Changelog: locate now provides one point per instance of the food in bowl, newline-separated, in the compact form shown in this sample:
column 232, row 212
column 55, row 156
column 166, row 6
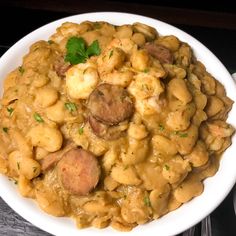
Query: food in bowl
column 112, row 125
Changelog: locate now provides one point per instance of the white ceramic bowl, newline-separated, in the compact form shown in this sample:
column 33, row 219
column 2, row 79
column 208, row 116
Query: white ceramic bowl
column 216, row 188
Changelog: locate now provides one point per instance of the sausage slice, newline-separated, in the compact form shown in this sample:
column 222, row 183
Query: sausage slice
column 110, row 104
column 52, row 159
column 60, row 66
column 105, row 131
column 78, row 171
column 160, row 52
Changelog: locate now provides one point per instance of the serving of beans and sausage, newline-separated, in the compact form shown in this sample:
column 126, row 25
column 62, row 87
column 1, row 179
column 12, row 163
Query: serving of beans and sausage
column 112, row 125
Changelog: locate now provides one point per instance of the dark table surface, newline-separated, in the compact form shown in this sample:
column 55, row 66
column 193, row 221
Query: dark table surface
column 219, row 38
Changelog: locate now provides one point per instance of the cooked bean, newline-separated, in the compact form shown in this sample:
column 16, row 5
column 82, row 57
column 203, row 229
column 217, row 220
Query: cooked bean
column 149, row 32
column 46, row 97
column 46, row 137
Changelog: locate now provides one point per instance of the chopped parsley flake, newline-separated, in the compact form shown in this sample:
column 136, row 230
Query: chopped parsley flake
column 5, row 129
column 81, row 130
column 161, row 127
column 146, row 70
column 50, row 42
column 111, row 53
column 38, row 118
column 10, row 110
column 18, row 165
column 146, row 201
column 21, row 70
column 182, row 135
column 70, row 106
column 166, row 167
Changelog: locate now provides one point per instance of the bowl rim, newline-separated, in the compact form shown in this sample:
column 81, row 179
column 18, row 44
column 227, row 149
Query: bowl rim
column 27, row 209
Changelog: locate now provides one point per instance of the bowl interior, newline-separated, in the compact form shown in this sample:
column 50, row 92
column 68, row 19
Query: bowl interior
column 216, row 188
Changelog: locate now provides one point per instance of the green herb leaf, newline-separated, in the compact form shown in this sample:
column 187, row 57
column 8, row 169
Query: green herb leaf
column 50, row 42
column 21, row 70
column 81, row 130
column 70, row 106
column 10, row 110
column 5, row 129
column 166, row 167
column 146, row 70
column 93, row 49
column 75, row 59
column 146, row 201
column 76, row 45
column 16, row 182
column 161, row 127
column 182, row 135
column 38, row 118
column 111, row 53
column 77, row 52
column 18, row 165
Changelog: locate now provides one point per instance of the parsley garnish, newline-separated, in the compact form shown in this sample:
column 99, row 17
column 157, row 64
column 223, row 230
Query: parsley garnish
column 50, row 42
column 5, row 129
column 161, row 127
column 181, row 135
column 166, row 167
column 38, row 118
column 21, row 70
column 77, row 51
column 10, row 110
column 18, row 165
column 81, row 130
column 70, row 106
column 111, row 53
column 146, row 201
column 146, row 70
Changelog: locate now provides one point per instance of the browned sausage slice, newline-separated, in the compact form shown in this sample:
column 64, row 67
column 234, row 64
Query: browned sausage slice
column 60, row 66
column 51, row 160
column 78, row 171
column 105, row 131
column 110, row 104
column 160, row 52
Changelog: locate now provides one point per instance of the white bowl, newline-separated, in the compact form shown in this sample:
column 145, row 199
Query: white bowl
column 216, row 188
